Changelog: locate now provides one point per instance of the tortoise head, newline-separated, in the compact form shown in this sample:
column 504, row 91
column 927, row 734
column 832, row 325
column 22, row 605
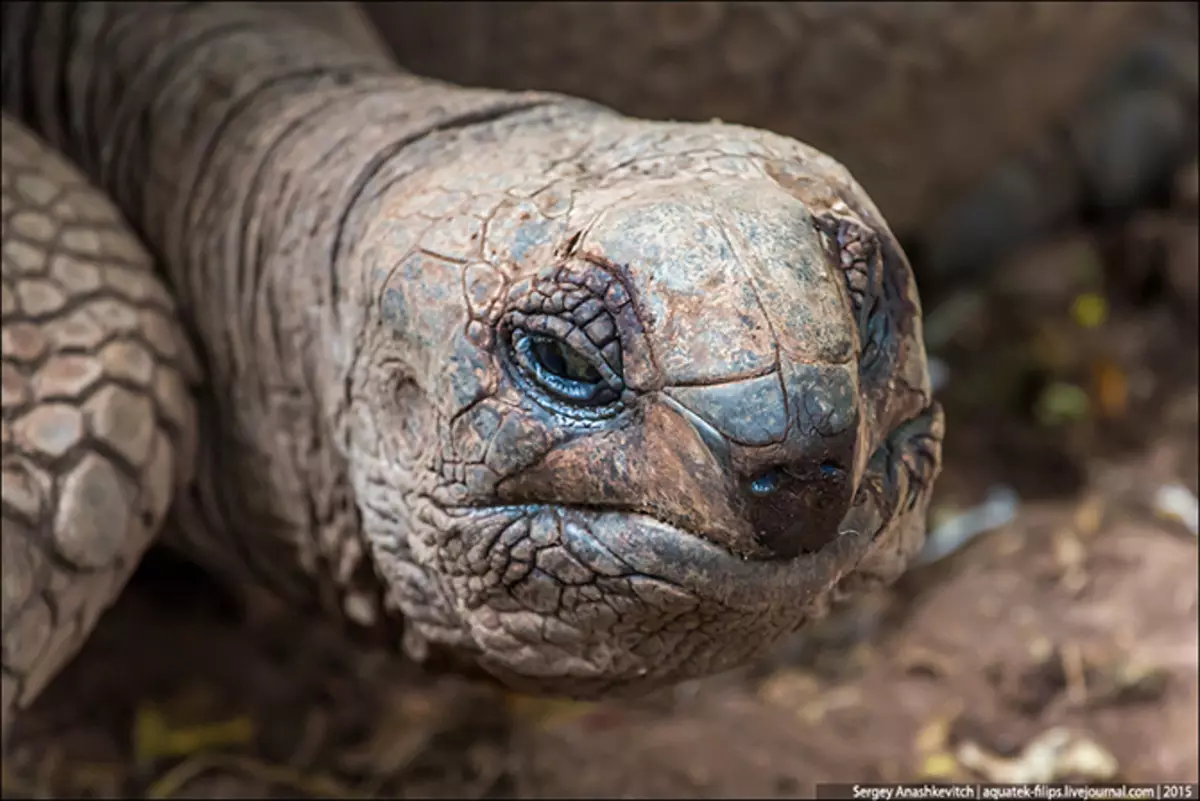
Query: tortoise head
column 632, row 400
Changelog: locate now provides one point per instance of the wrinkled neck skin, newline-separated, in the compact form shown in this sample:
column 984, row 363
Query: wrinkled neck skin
column 360, row 254
column 238, row 143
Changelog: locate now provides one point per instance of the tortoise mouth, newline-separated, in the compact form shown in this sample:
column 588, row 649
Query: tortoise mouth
column 622, row 541
column 617, row 544
column 681, row 606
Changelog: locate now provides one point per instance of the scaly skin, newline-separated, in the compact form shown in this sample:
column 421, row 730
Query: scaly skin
column 98, row 423
column 390, row 278
column 974, row 126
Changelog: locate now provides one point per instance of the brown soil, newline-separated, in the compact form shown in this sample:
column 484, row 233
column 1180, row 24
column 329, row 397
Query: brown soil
column 1068, row 635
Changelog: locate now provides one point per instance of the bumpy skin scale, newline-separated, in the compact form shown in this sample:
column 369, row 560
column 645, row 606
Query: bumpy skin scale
column 98, row 421
column 974, row 126
column 364, row 256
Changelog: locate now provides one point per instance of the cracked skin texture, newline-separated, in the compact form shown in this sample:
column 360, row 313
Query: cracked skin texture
column 592, row 403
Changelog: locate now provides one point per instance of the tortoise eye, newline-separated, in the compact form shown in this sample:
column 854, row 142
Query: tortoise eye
column 563, row 361
column 561, row 370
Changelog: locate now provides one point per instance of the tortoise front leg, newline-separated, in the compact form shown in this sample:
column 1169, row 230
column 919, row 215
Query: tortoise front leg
column 98, row 418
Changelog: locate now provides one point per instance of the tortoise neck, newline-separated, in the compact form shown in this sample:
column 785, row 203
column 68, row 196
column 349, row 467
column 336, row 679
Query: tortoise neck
column 178, row 112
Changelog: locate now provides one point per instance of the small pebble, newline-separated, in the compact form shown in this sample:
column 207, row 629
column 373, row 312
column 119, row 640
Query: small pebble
column 1176, row 502
column 997, row 510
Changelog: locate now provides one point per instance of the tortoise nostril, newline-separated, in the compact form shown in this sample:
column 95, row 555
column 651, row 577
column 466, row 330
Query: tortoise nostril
column 830, row 469
column 767, row 483
column 772, row 480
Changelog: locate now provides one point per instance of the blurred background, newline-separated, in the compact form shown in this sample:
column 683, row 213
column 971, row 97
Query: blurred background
column 1039, row 163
